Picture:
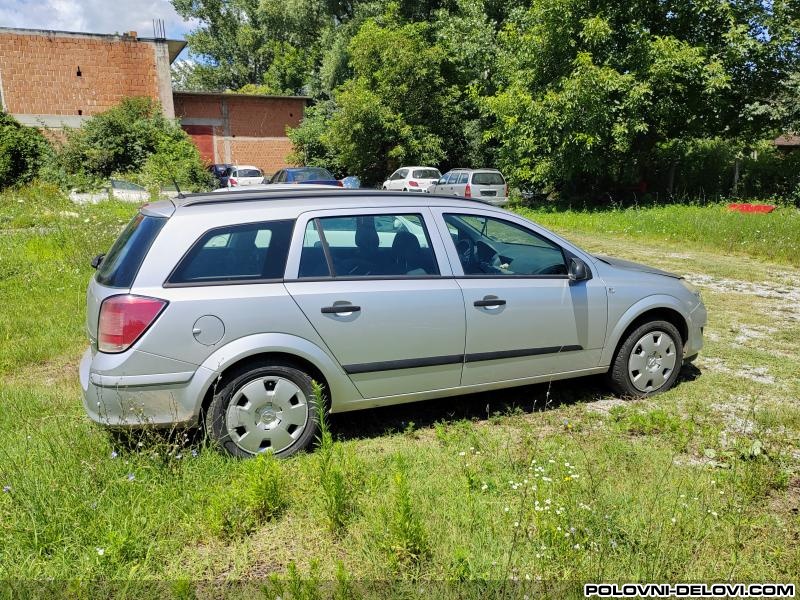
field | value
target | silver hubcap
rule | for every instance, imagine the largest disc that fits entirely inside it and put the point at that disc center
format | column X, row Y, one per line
column 268, row 413
column 652, row 361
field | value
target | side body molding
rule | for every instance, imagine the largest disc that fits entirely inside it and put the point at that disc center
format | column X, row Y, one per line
column 630, row 315
column 341, row 389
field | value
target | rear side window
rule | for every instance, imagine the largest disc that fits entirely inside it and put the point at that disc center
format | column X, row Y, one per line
column 368, row 246
column 122, row 262
column 236, row 254
column 462, row 178
column 488, row 179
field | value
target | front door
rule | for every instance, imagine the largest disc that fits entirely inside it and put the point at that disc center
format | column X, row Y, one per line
column 377, row 288
column 524, row 317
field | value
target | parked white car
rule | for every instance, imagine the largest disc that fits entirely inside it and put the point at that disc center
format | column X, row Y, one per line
column 240, row 175
column 488, row 185
column 412, row 179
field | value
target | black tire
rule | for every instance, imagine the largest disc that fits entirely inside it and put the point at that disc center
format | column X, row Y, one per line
column 215, row 422
column 619, row 377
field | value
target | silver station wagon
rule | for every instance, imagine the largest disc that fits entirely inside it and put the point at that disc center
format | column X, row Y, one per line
column 220, row 310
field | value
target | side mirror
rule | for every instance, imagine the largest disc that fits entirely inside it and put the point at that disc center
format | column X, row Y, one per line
column 578, row 271
column 97, row 261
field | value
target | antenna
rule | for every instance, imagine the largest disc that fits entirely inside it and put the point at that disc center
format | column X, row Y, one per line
column 175, row 183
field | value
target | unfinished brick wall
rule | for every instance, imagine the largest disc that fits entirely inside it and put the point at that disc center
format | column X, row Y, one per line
column 39, row 72
column 247, row 130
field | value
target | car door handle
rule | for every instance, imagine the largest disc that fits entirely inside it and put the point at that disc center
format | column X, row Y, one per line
column 340, row 308
column 489, row 302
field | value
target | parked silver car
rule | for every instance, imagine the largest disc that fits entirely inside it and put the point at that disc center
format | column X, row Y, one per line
column 221, row 309
column 488, row 185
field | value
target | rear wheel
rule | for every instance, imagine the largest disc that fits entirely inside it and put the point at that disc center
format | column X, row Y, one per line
column 648, row 360
column 267, row 408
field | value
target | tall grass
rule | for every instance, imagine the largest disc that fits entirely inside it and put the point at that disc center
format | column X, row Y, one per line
column 472, row 501
column 775, row 236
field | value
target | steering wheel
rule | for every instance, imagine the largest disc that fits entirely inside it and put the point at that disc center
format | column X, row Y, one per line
column 466, row 251
column 469, row 252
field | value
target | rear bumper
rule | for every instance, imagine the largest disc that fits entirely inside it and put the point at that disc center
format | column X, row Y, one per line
column 171, row 399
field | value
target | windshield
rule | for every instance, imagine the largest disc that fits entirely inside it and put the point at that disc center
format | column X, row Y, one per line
column 122, row 262
column 489, row 178
column 426, row 174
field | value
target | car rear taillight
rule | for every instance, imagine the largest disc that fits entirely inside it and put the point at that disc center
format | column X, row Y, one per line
column 505, row 191
column 340, row 183
column 123, row 320
column 413, row 184
column 467, row 192
column 233, row 182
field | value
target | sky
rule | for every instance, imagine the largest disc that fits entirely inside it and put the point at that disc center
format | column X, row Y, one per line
column 93, row 16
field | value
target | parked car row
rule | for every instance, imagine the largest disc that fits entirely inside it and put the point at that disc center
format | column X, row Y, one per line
column 488, row 185
column 231, row 176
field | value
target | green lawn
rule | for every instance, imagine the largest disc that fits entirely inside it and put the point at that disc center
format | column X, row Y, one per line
column 476, row 496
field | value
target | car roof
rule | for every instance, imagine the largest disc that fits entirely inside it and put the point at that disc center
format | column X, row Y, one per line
column 303, row 168
column 302, row 200
column 470, row 170
column 237, row 167
column 275, row 187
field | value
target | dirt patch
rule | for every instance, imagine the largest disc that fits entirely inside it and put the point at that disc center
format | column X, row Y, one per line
column 787, row 295
column 757, row 374
column 605, row 405
column 747, row 333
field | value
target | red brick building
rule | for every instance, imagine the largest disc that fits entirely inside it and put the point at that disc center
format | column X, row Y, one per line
column 240, row 129
column 56, row 79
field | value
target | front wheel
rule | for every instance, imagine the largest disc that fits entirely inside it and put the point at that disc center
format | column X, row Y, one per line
column 648, row 360
column 267, row 408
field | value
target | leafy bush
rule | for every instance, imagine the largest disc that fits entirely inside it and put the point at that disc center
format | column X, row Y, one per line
column 133, row 139
column 23, row 150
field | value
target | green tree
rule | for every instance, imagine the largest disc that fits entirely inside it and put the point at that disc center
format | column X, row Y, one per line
column 390, row 112
column 587, row 92
column 270, row 44
column 23, row 151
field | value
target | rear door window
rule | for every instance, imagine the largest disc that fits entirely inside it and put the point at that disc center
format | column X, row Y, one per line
column 122, row 262
column 463, row 178
column 236, row 254
column 368, row 246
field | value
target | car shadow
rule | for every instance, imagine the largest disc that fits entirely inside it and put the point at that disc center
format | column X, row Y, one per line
column 529, row 399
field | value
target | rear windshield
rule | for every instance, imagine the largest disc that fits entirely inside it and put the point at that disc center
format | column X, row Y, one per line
column 487, row 179
column 248, row 173
column 311, row 174
column 426, row 174
column 122, row 262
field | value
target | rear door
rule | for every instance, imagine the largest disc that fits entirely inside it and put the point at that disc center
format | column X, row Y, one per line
column 377, row 287
column 459, row 186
